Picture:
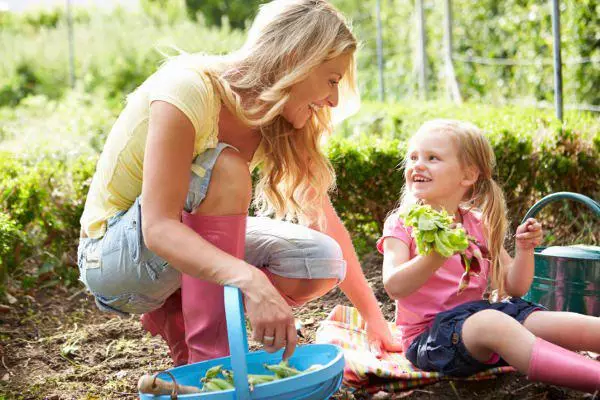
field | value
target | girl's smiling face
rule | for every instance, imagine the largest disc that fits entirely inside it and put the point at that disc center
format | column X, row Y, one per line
column 433, row 172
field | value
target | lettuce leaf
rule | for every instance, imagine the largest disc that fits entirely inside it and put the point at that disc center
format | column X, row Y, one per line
column 435, row 230
column 432, row 231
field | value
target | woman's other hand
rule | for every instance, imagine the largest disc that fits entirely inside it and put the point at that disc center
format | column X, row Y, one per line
column 381, row 339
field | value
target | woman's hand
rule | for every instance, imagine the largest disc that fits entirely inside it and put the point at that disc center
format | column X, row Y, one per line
column 380, row 338
column 529, row 235
column 270, row 316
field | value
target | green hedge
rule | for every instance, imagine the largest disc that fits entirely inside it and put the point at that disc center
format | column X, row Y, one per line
column 42, row 189
column 10, row 242
column 369, row 177
column 42, row 201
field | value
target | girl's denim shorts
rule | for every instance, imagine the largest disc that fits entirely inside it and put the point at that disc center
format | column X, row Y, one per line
column 125, row 277
column 441, row 348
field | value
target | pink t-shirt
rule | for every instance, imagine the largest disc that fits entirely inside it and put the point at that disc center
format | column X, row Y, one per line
column 415, row 312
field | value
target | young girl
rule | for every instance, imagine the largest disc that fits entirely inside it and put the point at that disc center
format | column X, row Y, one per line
column 449, row 165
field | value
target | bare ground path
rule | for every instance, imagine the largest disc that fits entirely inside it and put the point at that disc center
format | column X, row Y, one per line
column 55, row 345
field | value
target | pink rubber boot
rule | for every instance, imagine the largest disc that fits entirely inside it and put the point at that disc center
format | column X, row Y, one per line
column 203, row 301
column 167, row 321
column 556, row 365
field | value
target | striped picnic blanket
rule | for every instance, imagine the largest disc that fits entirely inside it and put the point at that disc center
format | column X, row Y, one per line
column 391, row 372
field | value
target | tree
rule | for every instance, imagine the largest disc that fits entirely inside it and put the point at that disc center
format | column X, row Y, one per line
column 237, row 12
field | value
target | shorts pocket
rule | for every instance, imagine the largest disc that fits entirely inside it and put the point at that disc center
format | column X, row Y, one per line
column 132, row 231
column 154, row 265
column 88, row 257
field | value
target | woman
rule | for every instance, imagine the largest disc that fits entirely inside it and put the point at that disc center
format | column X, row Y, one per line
column 267, row 105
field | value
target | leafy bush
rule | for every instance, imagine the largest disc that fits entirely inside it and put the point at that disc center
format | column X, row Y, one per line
column 236, row 12
column 10, row 244
column 47, row 157
column 44, row 198
column 368, row 185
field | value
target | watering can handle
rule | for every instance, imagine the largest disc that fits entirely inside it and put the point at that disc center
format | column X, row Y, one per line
column 238, row 341
column 594, row 206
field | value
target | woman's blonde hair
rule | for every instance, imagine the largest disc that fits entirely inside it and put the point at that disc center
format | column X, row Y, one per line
column 474, row 150
column 287, row 39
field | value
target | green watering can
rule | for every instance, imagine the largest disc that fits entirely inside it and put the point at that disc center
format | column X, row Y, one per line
column 567, row 278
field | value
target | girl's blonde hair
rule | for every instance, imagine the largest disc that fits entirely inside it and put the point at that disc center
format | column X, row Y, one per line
column 287, row 39
column 474, row 150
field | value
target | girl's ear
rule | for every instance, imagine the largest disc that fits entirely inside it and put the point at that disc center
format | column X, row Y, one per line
column 470, row 176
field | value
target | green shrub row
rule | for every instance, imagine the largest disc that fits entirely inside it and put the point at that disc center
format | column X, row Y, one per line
column 42, row 190
column 370, row 177
column 48, row 151
column 41, row 203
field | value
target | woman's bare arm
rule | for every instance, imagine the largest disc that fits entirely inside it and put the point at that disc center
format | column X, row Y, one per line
column 168, row 156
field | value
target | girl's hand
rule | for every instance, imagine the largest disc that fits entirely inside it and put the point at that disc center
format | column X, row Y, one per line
column 529, row 235
column 380, row 338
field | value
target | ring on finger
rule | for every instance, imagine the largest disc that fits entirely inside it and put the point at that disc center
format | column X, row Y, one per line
column 268, row 339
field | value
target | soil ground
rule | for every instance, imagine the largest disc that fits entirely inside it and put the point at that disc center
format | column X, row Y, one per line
column 55, row 345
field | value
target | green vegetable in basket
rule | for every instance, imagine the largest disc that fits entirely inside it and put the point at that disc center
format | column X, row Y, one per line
column 314, row 367
column 282, row 370
column 213, row 372
column 253, row 379
column 216, row 385
column 213, row 382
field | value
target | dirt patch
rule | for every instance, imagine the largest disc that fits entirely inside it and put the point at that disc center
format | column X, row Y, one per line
column 55, row 345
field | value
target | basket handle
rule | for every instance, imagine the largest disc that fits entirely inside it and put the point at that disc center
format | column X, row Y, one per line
column 594, row 206
column 238, row 341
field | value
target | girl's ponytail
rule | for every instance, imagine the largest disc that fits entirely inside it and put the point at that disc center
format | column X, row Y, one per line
column 493, row 207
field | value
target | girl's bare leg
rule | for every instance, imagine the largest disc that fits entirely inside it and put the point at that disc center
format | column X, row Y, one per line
column 493, row 331
column 490, row 331
column 569, row 330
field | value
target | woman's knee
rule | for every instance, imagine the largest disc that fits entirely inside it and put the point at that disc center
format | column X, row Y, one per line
column 311, row 289
column 299, row 291
column 230, row 186
column 323, row 258
column 293, row 251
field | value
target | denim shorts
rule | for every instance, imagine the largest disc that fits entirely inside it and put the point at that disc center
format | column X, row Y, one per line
column 125, row 277
column 441, row 348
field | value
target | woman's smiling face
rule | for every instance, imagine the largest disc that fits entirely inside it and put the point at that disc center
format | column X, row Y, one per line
column 319, row 89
